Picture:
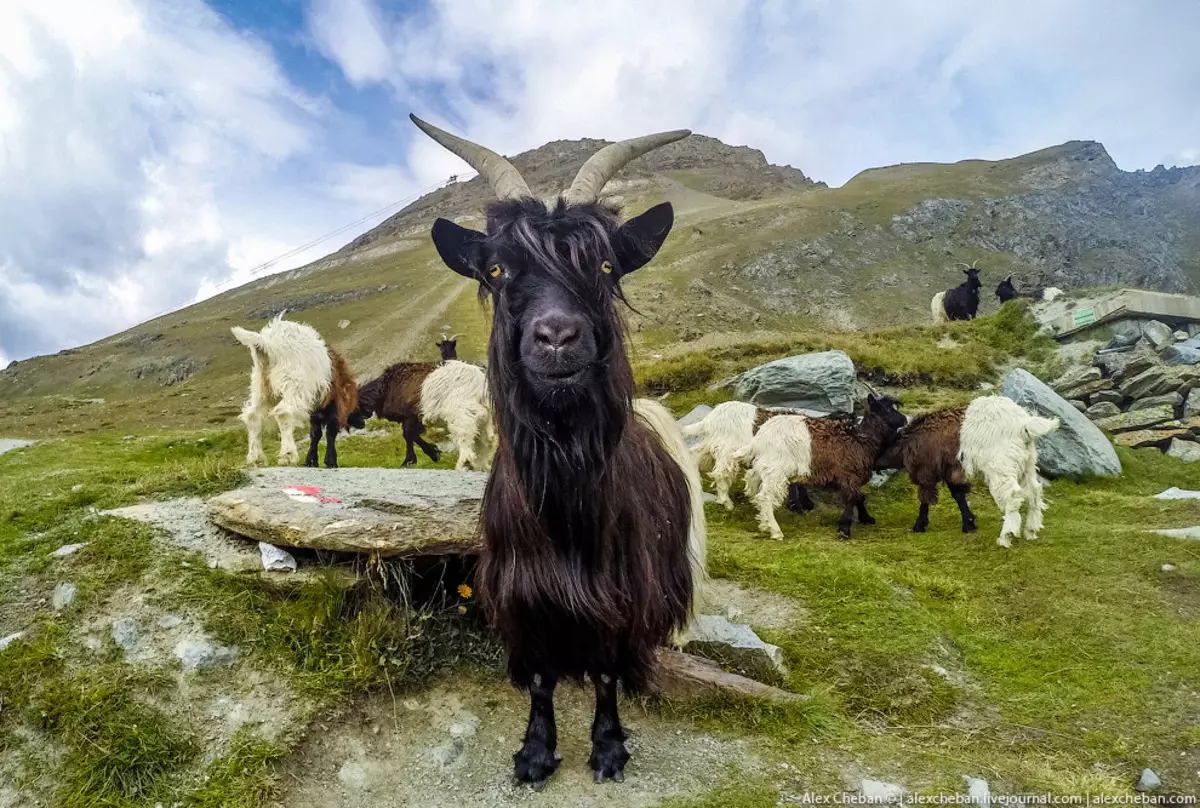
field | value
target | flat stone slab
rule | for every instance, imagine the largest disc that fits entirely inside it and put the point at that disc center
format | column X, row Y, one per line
column 734, row 645
column 685, row 676
column 389, row 512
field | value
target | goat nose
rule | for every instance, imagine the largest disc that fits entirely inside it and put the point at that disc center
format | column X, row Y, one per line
column 556, row 332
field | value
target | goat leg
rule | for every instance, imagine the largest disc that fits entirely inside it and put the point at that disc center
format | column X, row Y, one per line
column 609, row 755
column 798, row 500
column 959, row 492
column 331, row 430
column 849, row 502
column 536, row 761
column 928, row 495
column 864, row 518
column 314, row 440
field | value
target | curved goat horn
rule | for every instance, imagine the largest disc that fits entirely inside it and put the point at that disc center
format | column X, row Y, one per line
column 604, row 164
column 453, row 337
column 504, row 178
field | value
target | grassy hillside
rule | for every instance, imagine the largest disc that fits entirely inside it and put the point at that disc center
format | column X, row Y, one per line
column 1063, row 666
column 773, row 260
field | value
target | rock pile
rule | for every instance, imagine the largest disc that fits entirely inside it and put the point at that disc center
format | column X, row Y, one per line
column 1143, row 388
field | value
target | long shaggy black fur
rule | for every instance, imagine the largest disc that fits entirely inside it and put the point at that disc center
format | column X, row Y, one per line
column 585, row 519
column 962, row 302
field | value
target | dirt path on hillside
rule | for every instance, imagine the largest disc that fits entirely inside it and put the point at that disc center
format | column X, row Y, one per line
column 395, row 336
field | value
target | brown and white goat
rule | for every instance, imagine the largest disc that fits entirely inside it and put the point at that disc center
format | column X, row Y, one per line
column 592, row 519
column 294, row 375
column 834, row 452
column 993, row 437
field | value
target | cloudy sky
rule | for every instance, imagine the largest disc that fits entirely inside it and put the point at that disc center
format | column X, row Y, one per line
column 153, row 152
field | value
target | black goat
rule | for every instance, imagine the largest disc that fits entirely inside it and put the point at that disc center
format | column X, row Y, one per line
column 592, row 528
column 1007, row 290
column 961, row 302
column 448, row 347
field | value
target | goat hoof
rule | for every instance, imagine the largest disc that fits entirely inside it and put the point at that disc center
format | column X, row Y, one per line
column 534, row 764
column 608, row 760
column 920, row 528
column 867, row 520
column 844, row 535
column 310, row 462
column 1005, row 543
column 969, row 527
column 329, row 465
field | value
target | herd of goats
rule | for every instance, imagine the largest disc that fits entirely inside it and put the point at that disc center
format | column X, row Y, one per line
column 592, row 518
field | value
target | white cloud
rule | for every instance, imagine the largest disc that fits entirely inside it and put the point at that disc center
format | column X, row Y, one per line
column 123, row 128
column 350, row 33
column 832, row 88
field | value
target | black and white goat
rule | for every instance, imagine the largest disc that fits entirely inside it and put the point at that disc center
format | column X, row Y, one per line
column 592, row 518
column 1006, row 290
column 959, row 303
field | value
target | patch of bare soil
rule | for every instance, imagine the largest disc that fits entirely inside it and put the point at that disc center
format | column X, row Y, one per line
column 452, row 747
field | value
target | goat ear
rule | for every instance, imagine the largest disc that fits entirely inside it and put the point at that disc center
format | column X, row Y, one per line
column 640, row 238
column 459, row 248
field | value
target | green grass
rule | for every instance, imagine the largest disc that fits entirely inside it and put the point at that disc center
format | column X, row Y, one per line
column 1054, row 681
column 245, row 777
column 941, row 359
column 120, row 750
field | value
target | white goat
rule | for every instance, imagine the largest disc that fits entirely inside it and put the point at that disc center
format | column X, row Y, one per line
column 937, row 307
column 290, row 376
column 1051, row 292
column 724, row 432
column 998, row 440
column 456, row 394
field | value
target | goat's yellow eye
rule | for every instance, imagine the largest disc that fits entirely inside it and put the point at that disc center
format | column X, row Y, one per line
column 606, row 268
column 496, row 271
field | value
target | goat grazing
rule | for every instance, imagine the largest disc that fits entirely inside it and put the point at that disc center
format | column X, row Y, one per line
column 1007, row 291
column 396, row 396
column 834, row 452
column 592, row 518
column 723, row 433
column 294, row 374
column 456, row 395
column 992, row 436
column 959, row 303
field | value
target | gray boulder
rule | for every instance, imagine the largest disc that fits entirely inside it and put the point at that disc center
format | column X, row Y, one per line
column 1171, row 400
column 1192, row 405
column 818, row 383
column 1122, row 365
column 1185, row 450
column 1074, row 378
column 1078, row 446
column 1157, row 334
column 1182, row 353
column 1103, row 409
column 1137, row 419
column 698, row 414
column 1107, row 396
column 1125, row 334
column 736, row 646
column 1160, row 380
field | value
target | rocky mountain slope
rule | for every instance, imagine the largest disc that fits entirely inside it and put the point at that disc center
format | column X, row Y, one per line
column 758, row 250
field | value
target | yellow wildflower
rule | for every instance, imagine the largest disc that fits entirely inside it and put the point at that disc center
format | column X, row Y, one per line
column 464, row 591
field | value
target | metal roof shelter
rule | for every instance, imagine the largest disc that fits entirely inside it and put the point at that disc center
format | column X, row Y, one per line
column 1175, row 310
